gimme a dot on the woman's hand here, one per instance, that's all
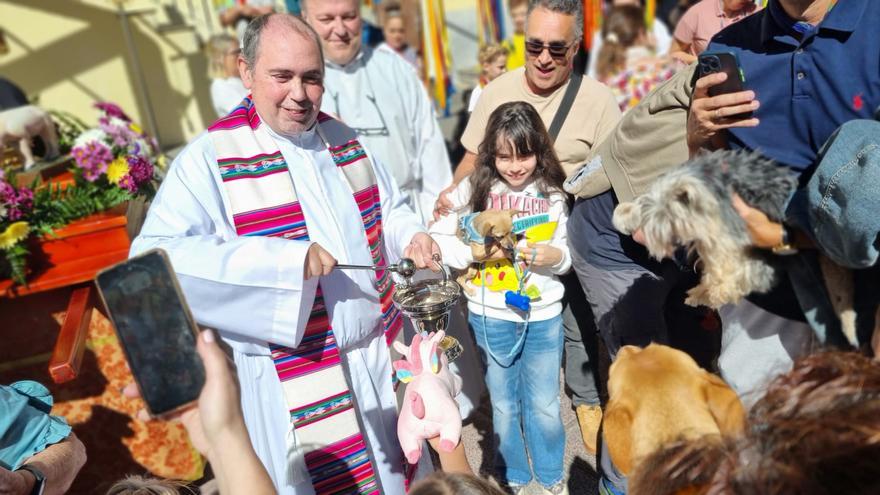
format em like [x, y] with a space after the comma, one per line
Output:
[217, 417]
[544, 254]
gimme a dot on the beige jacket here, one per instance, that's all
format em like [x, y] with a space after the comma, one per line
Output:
[649, 140]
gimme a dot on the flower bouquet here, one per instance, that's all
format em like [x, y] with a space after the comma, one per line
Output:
[112, 164]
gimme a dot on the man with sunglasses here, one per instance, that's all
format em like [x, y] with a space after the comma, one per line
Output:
[380, 96]
[554, 29]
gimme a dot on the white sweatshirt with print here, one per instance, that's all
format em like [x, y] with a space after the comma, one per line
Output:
[540, 213]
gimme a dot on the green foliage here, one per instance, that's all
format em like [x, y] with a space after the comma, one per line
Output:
[69, 128]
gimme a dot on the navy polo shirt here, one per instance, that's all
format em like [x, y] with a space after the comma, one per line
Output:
[808, 83]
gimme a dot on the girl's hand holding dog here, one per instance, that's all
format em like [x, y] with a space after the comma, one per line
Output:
[544, 254]
[710, 115]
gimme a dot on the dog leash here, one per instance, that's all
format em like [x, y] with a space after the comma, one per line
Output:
[517, 347]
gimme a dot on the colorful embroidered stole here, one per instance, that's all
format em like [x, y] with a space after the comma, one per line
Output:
[263, 200]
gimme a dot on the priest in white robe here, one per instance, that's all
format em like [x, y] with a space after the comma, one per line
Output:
[380, 96]
[259, 289]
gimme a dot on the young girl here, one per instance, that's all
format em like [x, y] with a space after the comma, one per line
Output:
[521, 344]
[493, 63]
[627, 63]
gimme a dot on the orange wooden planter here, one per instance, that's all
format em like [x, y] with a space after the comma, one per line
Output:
[75, 253]
[72, 257]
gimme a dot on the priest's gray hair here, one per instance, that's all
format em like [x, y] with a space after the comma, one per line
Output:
[250, 42]
[567, 7]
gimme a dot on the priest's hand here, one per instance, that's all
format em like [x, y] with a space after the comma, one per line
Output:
[421, 250]
[318, 262]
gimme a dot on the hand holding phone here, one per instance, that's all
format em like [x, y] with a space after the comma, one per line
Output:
[726, 62]
[719, 101]
[156, 329]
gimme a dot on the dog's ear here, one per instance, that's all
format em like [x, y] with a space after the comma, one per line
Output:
[683, 194]
[617, 434]
[724, 405]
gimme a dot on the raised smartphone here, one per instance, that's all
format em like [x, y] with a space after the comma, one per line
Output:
[156, 329]
[727, 62]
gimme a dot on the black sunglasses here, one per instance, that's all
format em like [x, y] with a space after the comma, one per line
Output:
[557, 49]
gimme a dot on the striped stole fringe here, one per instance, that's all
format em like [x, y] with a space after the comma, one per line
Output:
[264, 203]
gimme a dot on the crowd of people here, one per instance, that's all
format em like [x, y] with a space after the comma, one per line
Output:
[328, 151]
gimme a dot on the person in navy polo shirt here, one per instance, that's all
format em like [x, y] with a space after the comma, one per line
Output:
[809, 67]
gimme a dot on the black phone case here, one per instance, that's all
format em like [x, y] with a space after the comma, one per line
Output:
[710, 63]
[187, 396]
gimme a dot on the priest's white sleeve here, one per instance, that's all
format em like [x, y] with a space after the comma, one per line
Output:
[399, 222]
[251, 289]
[431, 155]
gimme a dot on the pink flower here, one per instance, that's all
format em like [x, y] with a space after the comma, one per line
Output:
[92, 158]
[25, 198]
[16, 200]
[127, 183]
[7, 192]
[112, 110]
[119, 135]
[140, 169]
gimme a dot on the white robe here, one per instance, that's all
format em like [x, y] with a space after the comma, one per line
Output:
[252, 290]
[414, 150]
[226, 94]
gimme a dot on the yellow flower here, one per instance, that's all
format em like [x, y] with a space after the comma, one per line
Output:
[13, 234]
[117, 169]
[136, 128]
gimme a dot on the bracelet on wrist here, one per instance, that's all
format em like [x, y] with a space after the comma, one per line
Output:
[785, 246]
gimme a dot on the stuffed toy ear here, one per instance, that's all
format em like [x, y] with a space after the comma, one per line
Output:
[435, 359]
[401, 348]
[403, 370]
[416, 357]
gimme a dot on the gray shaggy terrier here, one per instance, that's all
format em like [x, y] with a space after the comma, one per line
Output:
[691, 206]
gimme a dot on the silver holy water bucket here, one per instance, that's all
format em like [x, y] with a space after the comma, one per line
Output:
[428, 304]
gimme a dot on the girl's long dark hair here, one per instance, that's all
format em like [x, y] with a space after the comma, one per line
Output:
[519, 122]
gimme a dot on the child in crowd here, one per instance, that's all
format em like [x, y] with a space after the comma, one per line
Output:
[493, 63]
[514, 298]
[516, 43]
[227, 90]
[394, 32]
[627, 62]
[441, 483]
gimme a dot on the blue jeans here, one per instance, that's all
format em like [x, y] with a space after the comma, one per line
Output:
[524, 388]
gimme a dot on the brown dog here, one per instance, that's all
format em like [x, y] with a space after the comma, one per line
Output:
[658, 395]
[496, 228]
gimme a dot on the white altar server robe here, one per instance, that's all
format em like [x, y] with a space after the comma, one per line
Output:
[376, 86]
[251, 289]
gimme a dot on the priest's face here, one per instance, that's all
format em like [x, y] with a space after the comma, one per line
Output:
[287, 78]
[338, 23]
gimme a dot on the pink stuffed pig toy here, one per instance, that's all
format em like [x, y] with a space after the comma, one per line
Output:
[429, 408]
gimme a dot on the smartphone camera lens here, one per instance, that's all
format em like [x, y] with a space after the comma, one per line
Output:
[714, 63]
